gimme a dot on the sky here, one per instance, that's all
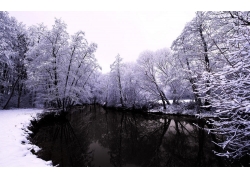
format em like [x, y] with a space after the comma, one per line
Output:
[127, 33]
[127, 27]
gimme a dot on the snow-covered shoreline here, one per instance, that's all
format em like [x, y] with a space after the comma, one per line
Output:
[15, 149]
[182, 109]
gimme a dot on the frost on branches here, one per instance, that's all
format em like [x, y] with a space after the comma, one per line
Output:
[232, 97]
[60, 67]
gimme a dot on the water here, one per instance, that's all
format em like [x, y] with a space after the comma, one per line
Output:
[93, 136]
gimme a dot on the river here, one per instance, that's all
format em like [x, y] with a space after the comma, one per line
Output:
[94, 136]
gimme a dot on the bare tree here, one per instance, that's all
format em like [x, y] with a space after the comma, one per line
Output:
[149, 77]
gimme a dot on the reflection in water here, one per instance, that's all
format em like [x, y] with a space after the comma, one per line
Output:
[60, 143]
[100, 155]
[93, 136]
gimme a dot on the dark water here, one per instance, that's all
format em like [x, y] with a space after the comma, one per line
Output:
[93, 136]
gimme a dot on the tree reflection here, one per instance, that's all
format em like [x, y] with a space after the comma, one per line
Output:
[146, 140]
[120, 138]
[60, 143]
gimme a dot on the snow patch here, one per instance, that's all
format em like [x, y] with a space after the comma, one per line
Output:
[14, 147]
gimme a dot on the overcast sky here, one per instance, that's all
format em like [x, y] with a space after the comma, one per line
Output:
[127, 27]
[125, 32]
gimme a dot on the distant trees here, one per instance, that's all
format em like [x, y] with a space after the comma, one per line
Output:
[171, 75]
[121, 86]
[133, 95]
[152, 78]
[160, 76]
[115, 72]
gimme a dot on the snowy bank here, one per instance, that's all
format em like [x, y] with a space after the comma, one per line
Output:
[15, 149]
[185, 108]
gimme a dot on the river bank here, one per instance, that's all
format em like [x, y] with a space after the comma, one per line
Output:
[15, 148]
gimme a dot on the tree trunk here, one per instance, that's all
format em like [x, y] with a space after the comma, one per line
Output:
[11, 94]
[164, 96]
[120, 90]
[163, 102]
[194, 88]
[20, 89]
[207, 63]
[67, 78]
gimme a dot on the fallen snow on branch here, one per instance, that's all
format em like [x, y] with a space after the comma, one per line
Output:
[15, 149]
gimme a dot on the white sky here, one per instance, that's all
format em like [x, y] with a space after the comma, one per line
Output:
[126, 27]
[125, 32]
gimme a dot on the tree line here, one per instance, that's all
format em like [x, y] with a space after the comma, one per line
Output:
[208, 62]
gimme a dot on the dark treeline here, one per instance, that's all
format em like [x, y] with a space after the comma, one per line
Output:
[208, 62]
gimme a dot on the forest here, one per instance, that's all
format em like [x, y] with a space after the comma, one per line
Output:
[208, 63]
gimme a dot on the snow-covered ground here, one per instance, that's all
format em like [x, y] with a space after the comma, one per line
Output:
[14, 146]
[175, 109]
[183, 109]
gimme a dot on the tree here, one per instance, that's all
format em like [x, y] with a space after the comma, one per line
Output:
[6, 34]
[149, 77]
[60, 67]
[82, 66]
[131, 86]
[13, 48]
[116, 68]
[171, 74]
[20, 48]
[196, 51]
[45, 59]
[232, 96]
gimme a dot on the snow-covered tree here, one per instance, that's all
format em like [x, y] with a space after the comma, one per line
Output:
[6, 65]
[232, 95]
[149, 77]
[197, 52]
[213, 49]
[20, 48]
[131, 86]
[82, 66]
[45, 58]
[116, 78]
[171, 74]
[13, 48]
[59, 66]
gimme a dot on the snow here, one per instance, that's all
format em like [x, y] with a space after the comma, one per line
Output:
[14, 146]
[182, 100]
[175, 109]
